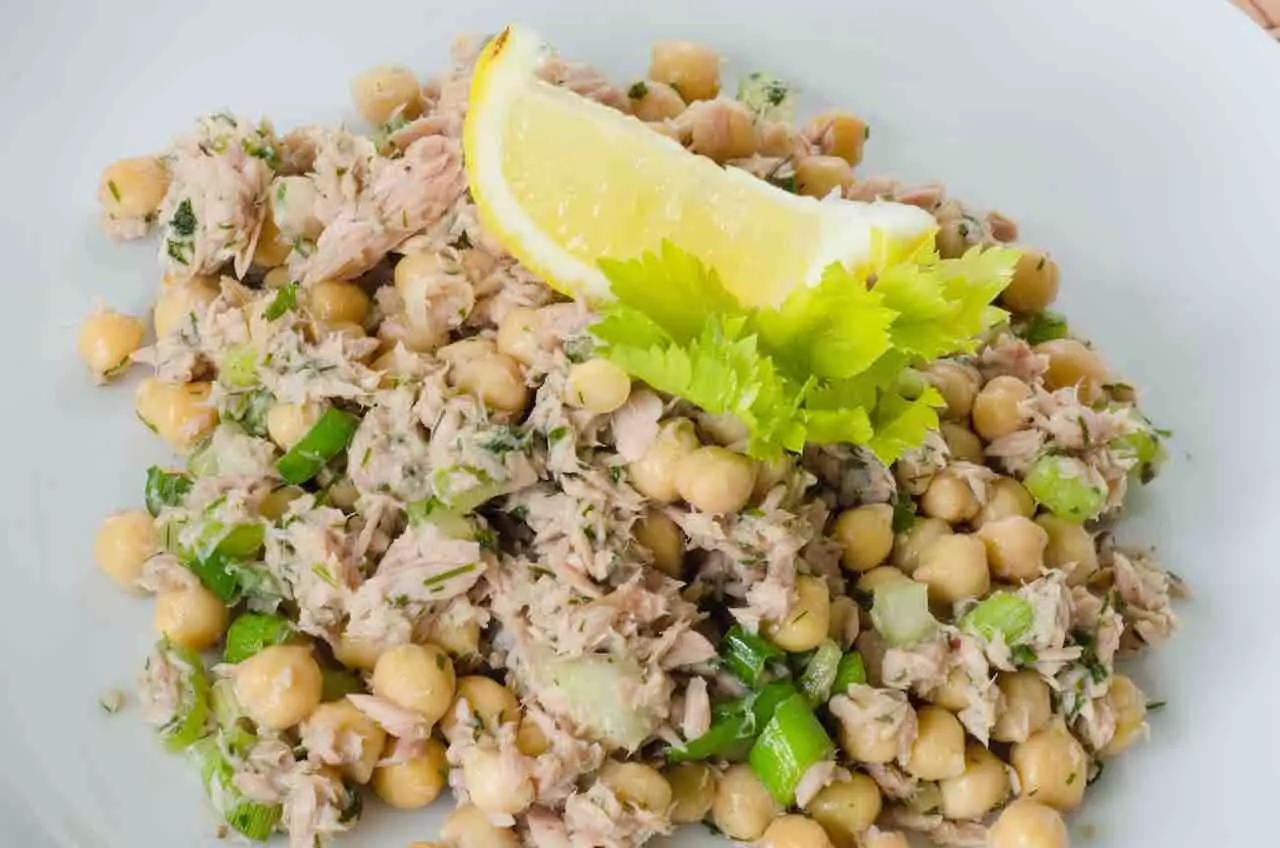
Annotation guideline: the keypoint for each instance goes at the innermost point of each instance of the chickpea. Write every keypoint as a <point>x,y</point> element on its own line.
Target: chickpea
<point>1052,767</point>
<point>771,473</point>
<point>885,839</point>
<point>287,423</point>
<point>1070,547</point>
<point>106,340</point>
<point>133,188</point>
<point>1072,363</point>
<point>693,788</point>
<point>1028,824</point>
<point>793,831</point>
<point>881,576</point>
<point>654,101</point>
<point>954,568</point>
<point>715,479</point>
<point>344,721</point>
<point>491,702</point>
<point>664,541</point>
<point>518,334</point>
<point>743,806</point>
<point>1034,285</point>
<point>962,443</point>
<point>398,364</point>
<point>384,91</point>
<point>123,544</point>
<point>194,618</point>
<point>1129,706</point>
<point>639,785</point>
<point>1006,497</point>
<point>416,677</point>
<point>492,783</point>
<point>337,301</point>
<point>1024,706</point>
<point>417,336</point>
<point>721,130</point>
<point>976,792</point>
<point>415,783</point>
<point>844,625</point>
<point>1015,548</point>
<point>957,230</point>
<point>953,693</point>
<point>938,751</point>
<point>478,368</point>
<point>818,176</point>
<point>692,70</point>
<point>654,474</point>
<point>277,278</point>
<point>275,504</point>
<point>958,385</point>
<point>530,740</point>
<point>279,686</point>
<point>865,535</point>
<point>950,498</point>
<point>177,303</point>
<point>469,827</point>
<point>458,639</point>
<point>912,542</point>
<point>997,410</point>
<point>353,652</point>
<point>846,808</point>
<point>293,204</point>
<point>806,625</point>
<point>178,412</point>
<point>597,385</point>
<point>839,134</point>
<point>869,742</point>
<point>270,250</point>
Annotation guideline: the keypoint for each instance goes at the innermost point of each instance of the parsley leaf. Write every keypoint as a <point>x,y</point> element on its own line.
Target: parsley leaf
<point>184,221</point>
<point>286,300</point>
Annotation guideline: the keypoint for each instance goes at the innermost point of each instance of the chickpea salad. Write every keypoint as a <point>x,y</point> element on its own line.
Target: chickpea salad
<point>608,527</point>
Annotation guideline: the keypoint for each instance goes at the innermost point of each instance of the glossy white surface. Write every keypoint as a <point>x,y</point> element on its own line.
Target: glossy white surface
<point>1136,140</point>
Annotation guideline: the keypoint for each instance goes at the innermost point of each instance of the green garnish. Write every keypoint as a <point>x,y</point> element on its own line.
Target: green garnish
<point>823,366</point>
<point>286,300</point>
<point>192,711</point>
<point>791,742</point>
<point>327,438</point>
<point>819,674</point>
<point>852,670</point>
<point>638,91</point>
<point>219,559</point>
<point>115,192</point>
<point>904,511</point>
<point>252,632</point>
<point>900,613</point>
<point>768,96</point>
<point>252,820</point>
<point>238,366</point>
<point>183,222</point>
<point>1066,487</point>
<point>745,655</point>
<point>1044,327</point>
<point>444,576</point>
<point>1005,613</point>
<point>165,488</point>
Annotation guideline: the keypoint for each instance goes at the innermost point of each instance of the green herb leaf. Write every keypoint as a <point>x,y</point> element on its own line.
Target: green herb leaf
<point>286,300</point>
<point>165,488</point>
<point>183,223</point>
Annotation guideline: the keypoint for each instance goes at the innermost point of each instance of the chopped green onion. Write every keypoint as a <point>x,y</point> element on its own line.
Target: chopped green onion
<point>338,683</point>
<point>765,702</point>
<point>745,655</point>
<point>192,712</point>
<point>900,612</point>
<point>286,300</point>
<point>165,488</point>
<point>203,462</point>
<point>820,672</point>
<point>252,820</point>
<point>852,670</point>
<point>327,438</point>
<point>238,366</point>
<point>789,745</point>
<point>1003,612</point>
<point>217,558</point>
<point>733,725</point>
<point>1066,487</point>
<point>449,521</point>
<point>252,632</point>
<point>1044,327</point>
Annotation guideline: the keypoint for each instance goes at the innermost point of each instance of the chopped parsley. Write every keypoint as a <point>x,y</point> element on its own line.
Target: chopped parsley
<point>1156,706</point>
<point>436,581</point>
<point>115,192</point>
<point>263,150</point>
<point>503,440</point>
<point>638,90</point>
<point>556,435</point>
<point>184,220</point>
<point>177,251</point>
<point>286,300</point>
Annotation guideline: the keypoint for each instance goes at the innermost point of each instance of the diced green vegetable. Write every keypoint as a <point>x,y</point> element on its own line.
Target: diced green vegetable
<point>768,96</point>
<point>449,521</point>
<point>286,300</point>
<point>238,366</point>
<point>1066,487</point>
<point>218,559</point>
<point>250,410</point>
<point>820,673</point>
<point>252,820</point>
<point>733,725</point>
<point>203,462</point>
<point>165,488</point>
<point>1003,612</point>
<point>327,438</point>
<point>192,712</point>
<point>1044,327</point>
<point>746,655</point>
<point>900,613</point>
<point>252,632</point>
<point>590,685</point>
<point>765,702</point>
<point>790,743</point>
<point>852,671</point>
<point>1144,446</point>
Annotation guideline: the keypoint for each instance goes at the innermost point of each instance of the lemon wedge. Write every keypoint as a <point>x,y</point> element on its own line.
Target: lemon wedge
<point>564,181</point>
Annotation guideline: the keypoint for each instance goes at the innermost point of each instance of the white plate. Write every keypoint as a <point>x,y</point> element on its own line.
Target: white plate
<point>1139,141</point>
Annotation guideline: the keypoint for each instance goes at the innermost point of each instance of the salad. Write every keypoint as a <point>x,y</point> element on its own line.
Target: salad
<point>613,458</point>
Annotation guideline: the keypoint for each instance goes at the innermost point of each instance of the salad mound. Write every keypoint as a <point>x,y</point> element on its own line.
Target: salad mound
<point>594,525</point>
